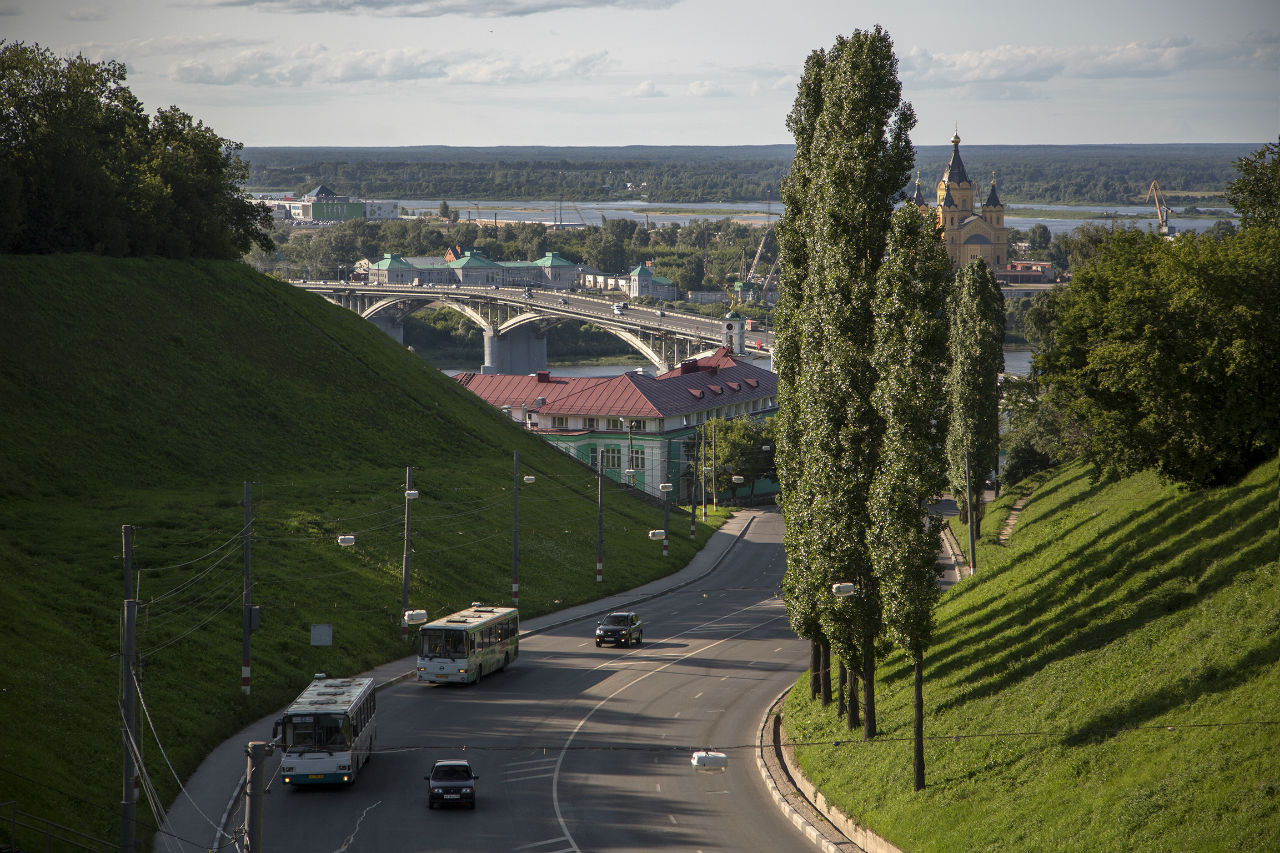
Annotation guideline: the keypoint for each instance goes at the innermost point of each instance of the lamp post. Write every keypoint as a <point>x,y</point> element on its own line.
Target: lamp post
<point>515,530</point>
<point>665,488</point>
<point>410,495</point>
<point>599,518</point>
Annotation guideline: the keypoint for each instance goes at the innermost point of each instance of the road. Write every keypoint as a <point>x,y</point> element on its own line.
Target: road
<point>582,748</point>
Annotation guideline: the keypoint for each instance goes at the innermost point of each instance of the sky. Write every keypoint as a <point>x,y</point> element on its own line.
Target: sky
<point>674,72</point>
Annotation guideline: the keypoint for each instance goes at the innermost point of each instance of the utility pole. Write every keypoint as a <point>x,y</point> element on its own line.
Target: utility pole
<point>129,797</point>
<point>409,495</point>
<point>599,518</point>
<point>702,476</point>
<point>253,790</point>
<point>715,491</point>
<point>515,532</point>
<point>246,619</point>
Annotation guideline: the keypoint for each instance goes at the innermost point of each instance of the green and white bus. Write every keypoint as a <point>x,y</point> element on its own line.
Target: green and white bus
<point>465,646</point>
<point>327,734</point>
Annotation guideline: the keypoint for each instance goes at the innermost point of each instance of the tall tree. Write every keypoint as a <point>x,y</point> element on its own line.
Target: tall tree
<point>910,355</point>
<point>1255,194</point>
<point>973,387</point>
<point>853,156</point>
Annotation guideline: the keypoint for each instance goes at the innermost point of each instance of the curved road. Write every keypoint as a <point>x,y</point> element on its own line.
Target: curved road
<point>582,748</point>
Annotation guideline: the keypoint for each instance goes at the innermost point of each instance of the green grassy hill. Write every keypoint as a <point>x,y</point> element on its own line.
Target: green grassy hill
<point>145,393</point>
<point>1109,680</point>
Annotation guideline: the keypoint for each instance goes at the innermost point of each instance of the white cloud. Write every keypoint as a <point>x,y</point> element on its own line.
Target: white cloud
<point>1017,64</point>
<point>439,8</point>
<point>707,89</point>
<point>87,13</point>
<point>314,64</point>
<point>646,89</point>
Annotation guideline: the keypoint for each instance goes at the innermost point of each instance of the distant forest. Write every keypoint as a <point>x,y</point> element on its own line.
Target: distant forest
<point>1099,174</point>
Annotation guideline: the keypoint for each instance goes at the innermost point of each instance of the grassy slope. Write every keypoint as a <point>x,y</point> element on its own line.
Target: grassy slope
<point>1111,678</point>
<point>145,393</point>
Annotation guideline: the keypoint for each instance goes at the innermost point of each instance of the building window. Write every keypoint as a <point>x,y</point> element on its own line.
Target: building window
<point>589,423</point>
<point>593,456</point>
<point>559,422</point>
<point>636,462</point>
<point>614,423</point>
<point>611,457</point>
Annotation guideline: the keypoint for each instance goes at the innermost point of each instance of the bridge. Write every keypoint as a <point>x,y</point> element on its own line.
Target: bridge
<point>515,320</point>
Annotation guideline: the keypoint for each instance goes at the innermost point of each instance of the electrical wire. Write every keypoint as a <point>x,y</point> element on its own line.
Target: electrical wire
<point>156,735</point>
<point>193,629</point>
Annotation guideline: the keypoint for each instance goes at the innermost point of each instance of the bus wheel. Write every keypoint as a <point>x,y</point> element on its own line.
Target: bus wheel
<point>506,659</point>
<point>479,673</point>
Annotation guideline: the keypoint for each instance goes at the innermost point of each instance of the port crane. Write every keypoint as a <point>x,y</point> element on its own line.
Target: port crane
<point>1162,211</point>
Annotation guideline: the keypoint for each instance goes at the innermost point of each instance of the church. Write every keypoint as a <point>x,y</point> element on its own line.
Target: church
<point>968,231</point>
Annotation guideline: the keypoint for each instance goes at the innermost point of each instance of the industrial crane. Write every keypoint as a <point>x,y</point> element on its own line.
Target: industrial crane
<point>1162,212</point>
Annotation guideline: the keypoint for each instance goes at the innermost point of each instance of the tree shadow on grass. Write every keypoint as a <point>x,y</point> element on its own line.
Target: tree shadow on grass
<point>1138,578</point>
<point>1210,680</point>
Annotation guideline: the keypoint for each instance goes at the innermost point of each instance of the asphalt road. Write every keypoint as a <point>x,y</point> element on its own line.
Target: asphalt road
<point>582,748</point>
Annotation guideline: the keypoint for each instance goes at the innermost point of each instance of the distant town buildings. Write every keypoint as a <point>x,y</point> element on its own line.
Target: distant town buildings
<point>634,421</point>
<point>324,205</point>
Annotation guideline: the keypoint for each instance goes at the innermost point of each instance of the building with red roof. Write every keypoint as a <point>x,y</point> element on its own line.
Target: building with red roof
<point>633,421</point>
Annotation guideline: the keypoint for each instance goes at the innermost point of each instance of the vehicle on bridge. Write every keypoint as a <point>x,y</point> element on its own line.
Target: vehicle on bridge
<point>619,307</point>
<point>327,733</point>
<point>464,646</point>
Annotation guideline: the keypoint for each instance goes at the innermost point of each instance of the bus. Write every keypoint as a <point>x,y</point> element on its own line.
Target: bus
<point>327,734</point>
<point>465,646</point>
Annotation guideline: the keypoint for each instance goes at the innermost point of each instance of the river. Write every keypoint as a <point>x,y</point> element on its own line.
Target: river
<point>595,212</point>
<point>1017,360</point>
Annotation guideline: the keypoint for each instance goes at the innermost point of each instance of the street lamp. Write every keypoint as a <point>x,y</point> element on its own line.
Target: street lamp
<point>515,529</point>
<point>410,495</point>
<point>665,488</point>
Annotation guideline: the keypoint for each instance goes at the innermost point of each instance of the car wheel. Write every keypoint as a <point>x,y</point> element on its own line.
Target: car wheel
<point>473,805</point>
<point>431,804</point>
<point>639,639</point>
<point>624,641</point>
<point>598,644</point>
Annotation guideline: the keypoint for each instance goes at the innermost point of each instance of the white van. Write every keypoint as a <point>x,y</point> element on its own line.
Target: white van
<point>619,307</point>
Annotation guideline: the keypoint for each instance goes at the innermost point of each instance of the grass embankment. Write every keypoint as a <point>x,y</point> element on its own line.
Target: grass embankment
<point>146,393</point>
<point>1109,680</point>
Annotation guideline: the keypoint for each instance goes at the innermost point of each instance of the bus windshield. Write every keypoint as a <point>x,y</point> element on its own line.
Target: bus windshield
<point>442,643</point>
<point>314,732</point>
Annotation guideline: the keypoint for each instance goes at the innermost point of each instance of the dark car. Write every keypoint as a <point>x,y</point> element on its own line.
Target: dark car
<point>622,628</point>
<point>452,784</point>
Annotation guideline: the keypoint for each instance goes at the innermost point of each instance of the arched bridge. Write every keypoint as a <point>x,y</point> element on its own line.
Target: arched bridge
<point>515,320</point>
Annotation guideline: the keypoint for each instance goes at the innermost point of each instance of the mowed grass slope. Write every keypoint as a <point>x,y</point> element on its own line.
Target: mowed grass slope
<point>145,393</point>
<point>1109,680</point>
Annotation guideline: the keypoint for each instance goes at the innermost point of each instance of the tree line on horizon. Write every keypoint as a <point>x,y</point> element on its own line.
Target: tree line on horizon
<point>1063,174</point>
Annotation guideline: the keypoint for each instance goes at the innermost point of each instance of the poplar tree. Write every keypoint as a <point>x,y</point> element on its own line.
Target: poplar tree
<point>911,330</point>
<point>977,359</point>
<point>853,156</point>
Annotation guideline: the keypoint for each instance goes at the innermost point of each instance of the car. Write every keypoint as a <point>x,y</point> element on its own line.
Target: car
<point>622,628</point>
<point>452,783</point>
<point>661,313</point>
<point>563,301</point>
<point>493,287</point>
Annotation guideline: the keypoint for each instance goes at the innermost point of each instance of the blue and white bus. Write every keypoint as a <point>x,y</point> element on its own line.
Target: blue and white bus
<point>327,734</point>
<point>465,646</point>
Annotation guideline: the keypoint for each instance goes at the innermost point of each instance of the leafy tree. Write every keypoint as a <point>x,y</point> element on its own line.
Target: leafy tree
<point>82,168</point>
<point>977,358</point>
<point>853,157</point>
<point>910,355</point>
<point>1038,237</point>
<point>1255,194</point>
<point>444,209</point>
<point>1162,356</point>
<point>740,444</point>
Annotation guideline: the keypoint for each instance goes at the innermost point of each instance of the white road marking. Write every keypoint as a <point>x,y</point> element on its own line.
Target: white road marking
<point>555,781</point>
<point>673,819</point>
<point>699,696</point>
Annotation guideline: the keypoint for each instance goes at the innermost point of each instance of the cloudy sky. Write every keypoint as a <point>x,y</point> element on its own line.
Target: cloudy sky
<point>666,72</point>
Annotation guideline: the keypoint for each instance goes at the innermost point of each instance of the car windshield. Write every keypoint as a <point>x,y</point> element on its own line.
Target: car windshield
<point>451,772</point>
<point>616,619</point>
